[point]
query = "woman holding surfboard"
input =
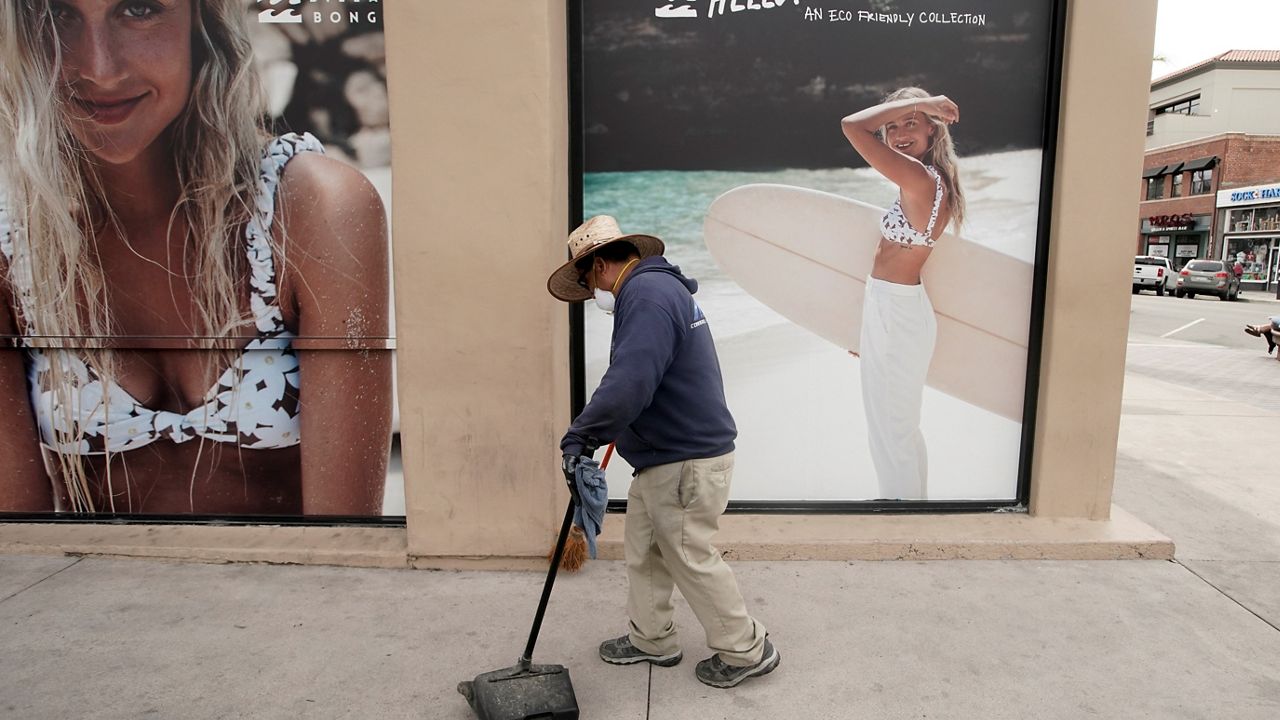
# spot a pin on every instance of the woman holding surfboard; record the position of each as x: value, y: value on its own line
x: 905, y: 139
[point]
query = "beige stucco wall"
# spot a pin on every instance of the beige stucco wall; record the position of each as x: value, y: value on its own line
x: 1100, y: 147
x: 480, y: 212
x: 480, y: 131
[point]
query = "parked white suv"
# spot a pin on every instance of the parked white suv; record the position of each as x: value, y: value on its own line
x: 1152, y: 272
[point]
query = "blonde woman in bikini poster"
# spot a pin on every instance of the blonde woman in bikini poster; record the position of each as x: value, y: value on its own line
x: 197, y: 309
x: 753, y: 142
x: 906, y: 139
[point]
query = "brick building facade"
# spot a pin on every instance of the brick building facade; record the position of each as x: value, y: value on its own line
x: 1176, y: 205
x: 1216, y: 195
x: 1186, y: 210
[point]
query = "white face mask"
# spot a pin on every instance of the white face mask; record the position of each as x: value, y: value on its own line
x: 605, y: 300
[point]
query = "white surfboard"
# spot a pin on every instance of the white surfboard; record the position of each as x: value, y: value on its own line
x: 807, y: 254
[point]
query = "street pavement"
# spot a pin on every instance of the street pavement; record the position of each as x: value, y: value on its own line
x: 1201, y: 345
x: 1198, y: 637
x: 1205, y: 320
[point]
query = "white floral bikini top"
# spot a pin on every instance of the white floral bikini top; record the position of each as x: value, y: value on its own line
x: 254, y: 403
x: 894, y: 225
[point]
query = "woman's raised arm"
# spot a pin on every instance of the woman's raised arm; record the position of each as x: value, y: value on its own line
x: 905, y: 172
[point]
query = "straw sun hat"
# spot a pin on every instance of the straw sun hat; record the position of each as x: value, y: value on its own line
x: 589, y: 237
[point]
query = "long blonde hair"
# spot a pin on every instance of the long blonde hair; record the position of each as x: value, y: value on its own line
x: 58, y: 207
x: 941, y: 155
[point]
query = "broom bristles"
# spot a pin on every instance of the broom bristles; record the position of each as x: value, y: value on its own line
x: 575, y: 551
x: 575, y: 547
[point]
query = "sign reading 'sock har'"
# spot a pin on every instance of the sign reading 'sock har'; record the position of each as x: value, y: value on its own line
x: 857, y: 189
x: 1246, y: 196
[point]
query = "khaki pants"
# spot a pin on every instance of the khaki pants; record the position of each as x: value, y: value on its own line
x: 673, y: 511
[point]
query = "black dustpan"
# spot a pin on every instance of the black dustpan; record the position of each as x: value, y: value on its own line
x: 526, y: 691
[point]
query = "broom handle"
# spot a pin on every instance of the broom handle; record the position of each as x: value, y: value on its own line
x: 527, y: 658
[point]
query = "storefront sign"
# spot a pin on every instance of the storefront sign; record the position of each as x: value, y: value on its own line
x: 1249, y: 195
x: 1187, y: 251
x: 1185, y: 221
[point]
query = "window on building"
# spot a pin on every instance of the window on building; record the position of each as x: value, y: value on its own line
x: 1252, y: 254
x: 1189, y: 106
x: 1177, y: 186
x: 1266, y: 220
x: 1202, y: 181
x: 1155, y: 188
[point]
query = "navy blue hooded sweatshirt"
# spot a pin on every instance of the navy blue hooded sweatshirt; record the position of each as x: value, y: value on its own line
x: 662, y: 398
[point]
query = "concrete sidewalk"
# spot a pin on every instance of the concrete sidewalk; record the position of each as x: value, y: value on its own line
x: 1193, y: 638
x: 99, y: 638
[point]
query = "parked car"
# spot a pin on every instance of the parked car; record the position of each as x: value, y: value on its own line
x: 1152, y: 272
x: 1211, y: 277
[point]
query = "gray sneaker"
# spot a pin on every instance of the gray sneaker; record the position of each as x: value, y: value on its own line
x: 717, y: 673
x: 620, y: 651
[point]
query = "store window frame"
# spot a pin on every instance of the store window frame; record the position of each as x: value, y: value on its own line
x: 1254, y: 219
x: 1262, y: 269
x: 1240, y: 219
x: 1050, y: 119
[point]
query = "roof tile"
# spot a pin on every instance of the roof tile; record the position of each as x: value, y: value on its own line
x: 1230, y: 56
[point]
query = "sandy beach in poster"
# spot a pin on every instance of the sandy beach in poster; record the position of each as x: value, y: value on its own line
x: 796, y: 397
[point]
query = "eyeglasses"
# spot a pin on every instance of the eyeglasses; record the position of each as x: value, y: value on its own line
x: 582, y: 277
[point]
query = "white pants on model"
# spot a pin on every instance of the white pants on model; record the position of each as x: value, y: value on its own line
x: 896, y: 346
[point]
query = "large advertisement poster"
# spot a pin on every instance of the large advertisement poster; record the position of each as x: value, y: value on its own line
x: 195, y: 278
x: 856, y: 186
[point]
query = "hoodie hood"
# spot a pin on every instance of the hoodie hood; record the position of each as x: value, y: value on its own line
x: 659, y: 264
x: 662, y: 398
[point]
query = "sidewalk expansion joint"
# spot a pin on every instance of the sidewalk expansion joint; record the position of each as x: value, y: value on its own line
x: 648, y: 695
x: 1227, y: 595
x: 16, y: 594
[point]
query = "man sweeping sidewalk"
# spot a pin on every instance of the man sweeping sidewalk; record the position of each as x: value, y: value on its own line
x: 662, y: 402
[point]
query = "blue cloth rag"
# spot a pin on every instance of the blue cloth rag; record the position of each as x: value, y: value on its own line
x: 593, y: 493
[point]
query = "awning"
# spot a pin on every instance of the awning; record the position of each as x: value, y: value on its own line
x: 1200, y: 163
x: 1156, y: 171
x: 1174, y: 169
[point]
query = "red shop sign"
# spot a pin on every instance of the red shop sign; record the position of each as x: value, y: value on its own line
x: 1185, y: 221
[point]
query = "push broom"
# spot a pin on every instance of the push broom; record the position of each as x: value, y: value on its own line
x: 526, y: 691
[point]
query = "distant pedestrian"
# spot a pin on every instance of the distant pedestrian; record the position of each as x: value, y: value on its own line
x: 1267, y: 332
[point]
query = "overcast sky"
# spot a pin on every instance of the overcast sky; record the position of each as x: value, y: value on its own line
x: 1189, y: 31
